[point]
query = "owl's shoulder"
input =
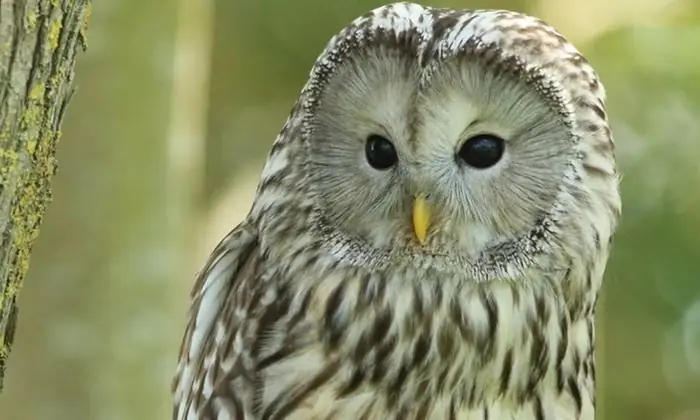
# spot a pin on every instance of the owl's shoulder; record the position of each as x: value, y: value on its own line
x: 215, y: 319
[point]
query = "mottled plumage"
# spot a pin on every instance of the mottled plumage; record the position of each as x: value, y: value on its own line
x: 429, y: 288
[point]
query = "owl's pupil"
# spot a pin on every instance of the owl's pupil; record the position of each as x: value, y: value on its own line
x: 482, y: 151
x: 380, y: 153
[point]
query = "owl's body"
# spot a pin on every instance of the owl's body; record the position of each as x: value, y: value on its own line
x: 428, y: 239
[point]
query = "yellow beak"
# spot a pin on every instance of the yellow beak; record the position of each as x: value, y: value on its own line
x: 421, y: 218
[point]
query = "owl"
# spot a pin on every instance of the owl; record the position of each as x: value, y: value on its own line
x: 428, y: 238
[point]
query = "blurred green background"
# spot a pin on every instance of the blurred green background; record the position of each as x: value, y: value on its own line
x: 177, y: 104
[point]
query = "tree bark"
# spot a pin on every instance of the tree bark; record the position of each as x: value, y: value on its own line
x: 39, y: 40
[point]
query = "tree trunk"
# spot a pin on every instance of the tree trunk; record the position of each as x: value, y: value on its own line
x: 39, y: 40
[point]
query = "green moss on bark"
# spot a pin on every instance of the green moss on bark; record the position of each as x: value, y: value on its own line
x: 36, y: 73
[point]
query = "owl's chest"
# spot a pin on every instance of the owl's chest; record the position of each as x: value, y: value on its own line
x: 381, y: 347
x: 325, y: 406
x: 304, y: 383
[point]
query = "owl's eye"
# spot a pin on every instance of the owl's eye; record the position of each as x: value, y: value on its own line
x: 482, y: 151
x: 380, y: 153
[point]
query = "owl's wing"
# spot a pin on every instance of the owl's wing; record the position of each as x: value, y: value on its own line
x: 207, y: 353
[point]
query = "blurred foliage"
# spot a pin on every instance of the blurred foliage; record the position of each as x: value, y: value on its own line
x: 651, y: 347
x: 103, y: 307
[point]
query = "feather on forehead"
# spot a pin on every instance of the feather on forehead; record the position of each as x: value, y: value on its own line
x: 511, y: 41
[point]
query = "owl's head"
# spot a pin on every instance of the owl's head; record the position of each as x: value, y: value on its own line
x: 457, y: 134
